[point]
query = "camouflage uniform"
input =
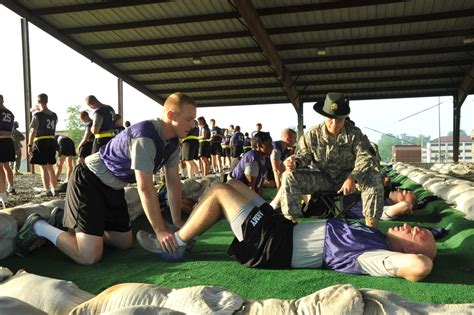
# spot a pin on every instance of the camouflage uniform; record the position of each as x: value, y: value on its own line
x: 334, y: 160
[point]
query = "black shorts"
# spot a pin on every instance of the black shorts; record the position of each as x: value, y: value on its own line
x: 267, y: 239
x: 205, y: 149
x: 93, y: 207
x: 226, y: 152
x: 216, y: 148
x: 190, y: 150
x: 86, y: 149
x: 237, y: 151
x: 7, y: 150
x: 66, y: 147
x: 100, y: 142
x: 44, y: 152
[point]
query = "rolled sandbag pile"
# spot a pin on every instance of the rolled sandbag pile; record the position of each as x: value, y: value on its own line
x: 465, y: 203
x: 48, y: 295
x: 27, y: 293
x: 194, y: 188
x: 12, y: 218
x: 192, y: 300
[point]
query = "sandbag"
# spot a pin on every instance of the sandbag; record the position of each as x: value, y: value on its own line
x: 337, y: 299
x: 20, y: 213
x: 5, y: 273
x: 47, y: 294
x: 10, y: 305
x: 6, y: 247
x: 459, y: 189
x: 384, y: 302
x: 8, y: 226
x: 192, y: 300
x: 143, y: 310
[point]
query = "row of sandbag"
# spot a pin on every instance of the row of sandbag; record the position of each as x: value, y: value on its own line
x: 456, y: 192
x: 13, y: 218
x: 26, y: 293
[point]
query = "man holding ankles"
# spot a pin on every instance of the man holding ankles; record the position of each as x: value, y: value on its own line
x: 266, y: 239
x: 339, y: 155
x: 95, y: 204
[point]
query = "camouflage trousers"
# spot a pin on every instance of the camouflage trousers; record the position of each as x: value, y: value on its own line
x: 308, y: 181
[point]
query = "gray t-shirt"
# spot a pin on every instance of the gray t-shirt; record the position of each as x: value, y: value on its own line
x: 308, y: 246
x: 142, y: 153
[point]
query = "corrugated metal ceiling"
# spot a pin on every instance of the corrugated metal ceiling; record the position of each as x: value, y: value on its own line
x: 368, y: 49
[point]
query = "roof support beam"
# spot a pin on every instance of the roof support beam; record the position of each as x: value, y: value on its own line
x: 290, y: 30
x: 315, y: 60
x: 259, y: 75
x: 206, y: 17
x: 466, y: 86
x: 448, y: 87
x: 431, y: 76
x: 456, y: 127
x: 99, y: 5
x: 254, y: 24
x: 296, y: 46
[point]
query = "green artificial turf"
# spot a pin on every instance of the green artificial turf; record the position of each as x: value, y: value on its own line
x: 451, y: 281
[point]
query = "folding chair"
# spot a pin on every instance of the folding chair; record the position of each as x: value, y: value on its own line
x: 327, y: 204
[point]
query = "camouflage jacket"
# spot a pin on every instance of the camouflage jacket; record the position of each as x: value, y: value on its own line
x: 17, y: 137
x: 339, y: 157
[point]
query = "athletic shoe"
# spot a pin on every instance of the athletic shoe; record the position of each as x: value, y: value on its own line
x: 149, y: 242
x: 11, y: 191
x: 190, y: 244
x: 18, y: 173
x: 56, y: 218
x: 4, y: 199
x: 26, y: 237
x: 44, y: 193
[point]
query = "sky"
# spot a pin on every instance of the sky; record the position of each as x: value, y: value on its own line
x: 68, y: 77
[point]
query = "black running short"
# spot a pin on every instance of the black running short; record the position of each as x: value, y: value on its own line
x: 66, y: 147
x: 190, y: 150
x: 86, y: 149
x: 93, y: 207
x: 7, y: 150
x: 267, y: 239
x: 205, y: 149
x: 100, y: 142
x: 216, y: 148
x: 237, y: 151
x: 44, y: 152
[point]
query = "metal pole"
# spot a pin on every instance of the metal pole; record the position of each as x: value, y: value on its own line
x: 439, y: 130
x: 300, y: 120
x: 120, y: 96
x: 25, y: 43
x: 456, y: 127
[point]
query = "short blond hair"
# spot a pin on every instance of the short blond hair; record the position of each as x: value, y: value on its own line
x: 176, y: 100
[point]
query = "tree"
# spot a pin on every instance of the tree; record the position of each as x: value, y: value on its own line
x: 461, y: 133
x: 74, y: 124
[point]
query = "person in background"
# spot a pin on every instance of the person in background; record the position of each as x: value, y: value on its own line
x: 118, y: 124
x: 237, y: 142
x: 281, y: 150
x: 340, y: 154
x: 226, y: 150
x: 259, y: 128
x: 42, y: 145
x: 96, y: 208
x: 216, y: 149
x: 204, y: 145
x: 254, y: 165
x: 7, y: 152
x: 85, y: 146
x: 190, y: 151
x: 247, y: 143
x: 66, y: 153
x: 103, y: 122
x: 17, y: 137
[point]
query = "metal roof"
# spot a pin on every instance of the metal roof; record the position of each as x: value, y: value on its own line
x: 243, y: 52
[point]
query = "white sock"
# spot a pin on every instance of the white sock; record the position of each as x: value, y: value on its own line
x: 179, y: 240
x: 42, y: 228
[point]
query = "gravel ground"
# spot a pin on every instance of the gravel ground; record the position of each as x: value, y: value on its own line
x: 24, y: 186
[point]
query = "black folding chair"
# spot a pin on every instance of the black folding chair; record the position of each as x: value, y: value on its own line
x: 327, y: 204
